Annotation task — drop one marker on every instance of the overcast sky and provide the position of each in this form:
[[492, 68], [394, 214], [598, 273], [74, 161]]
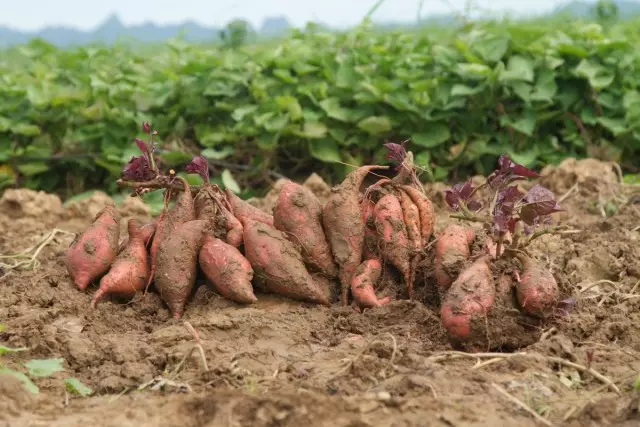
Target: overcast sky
[[87, 14]]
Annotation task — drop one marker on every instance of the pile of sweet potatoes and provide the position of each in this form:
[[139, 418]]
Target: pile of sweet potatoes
[[307, 251]]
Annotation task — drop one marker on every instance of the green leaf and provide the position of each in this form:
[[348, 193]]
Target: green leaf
[[241, 112], [5, 349], [599, 76], [32, 168], [464, 90], [525, 124], [346, 76], [75, 386], [290, 104], [26, 129], [519, 68], [331, 106], [491, 47], [26, 382], [313, 130], [326, 150], [436, 134], [375, 125], [229, 181], [212, 153], [615, 126], [44, 367]]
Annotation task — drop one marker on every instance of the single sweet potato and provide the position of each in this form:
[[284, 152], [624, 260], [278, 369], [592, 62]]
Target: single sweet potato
[[227, 269], [426, 211], [277, 265], [176, 269], [298, 213], [394, 240], [130, 271], [468, 300], [452, 252], [537, 289], [363, 284], [246, 211], [370, 248], [412, 221], [344, 227], [147, 230], [181, 212], [92, 252]]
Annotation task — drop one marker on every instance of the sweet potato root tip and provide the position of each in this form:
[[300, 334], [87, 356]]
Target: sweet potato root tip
[[176, 268], [363, 284], [469, 299], [246, 211], [452, 251], [92, 252], [277, 264], [537, 289], [227, 270], [426, 211], [298, 213], [344, 227], [393, 236], [130, 270]]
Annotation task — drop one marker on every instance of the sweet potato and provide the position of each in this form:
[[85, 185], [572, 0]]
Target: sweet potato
[[176, 268], [536, 290], [212, 206], [92, 252], [130, 271], [344, 227], [394, 240], [298, 213], [370, 247], [452, 251], [181, 212], [412, 221], [227, 269], [468, 300], [426, 211], [363, 284], [246, 211], [277, 265], [147, 231]]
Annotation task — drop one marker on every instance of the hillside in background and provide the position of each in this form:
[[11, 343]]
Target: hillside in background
[[112, 29]]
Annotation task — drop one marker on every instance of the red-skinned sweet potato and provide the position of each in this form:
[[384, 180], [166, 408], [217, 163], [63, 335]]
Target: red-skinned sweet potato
[[92, 252], [130, 271], [278, 267], [363, 284], [176, 267], [468, 301], [537, 289], [452, 251], [246, 211], [393, 237], [227, 269], [344, 227], [412, 221], [181, 212], [426, 211], [147, 230], [370, 248], [298, 213]]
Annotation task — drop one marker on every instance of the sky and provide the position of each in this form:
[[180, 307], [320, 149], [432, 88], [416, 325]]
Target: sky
[[87, 14]]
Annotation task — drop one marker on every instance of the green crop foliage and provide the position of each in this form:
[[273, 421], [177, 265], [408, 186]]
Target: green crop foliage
[[321, 101]]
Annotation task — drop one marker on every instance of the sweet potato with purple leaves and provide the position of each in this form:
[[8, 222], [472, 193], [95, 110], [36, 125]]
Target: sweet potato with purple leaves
[[278, 266], [245, 211], [363, 284], [176, 267], [298, 213], [92, 252], [536, 289], [344, 227], [394, 240], [452, 251], [227, 269], [130, 271]]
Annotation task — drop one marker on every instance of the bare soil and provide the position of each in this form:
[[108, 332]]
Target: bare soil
[[286, 363]]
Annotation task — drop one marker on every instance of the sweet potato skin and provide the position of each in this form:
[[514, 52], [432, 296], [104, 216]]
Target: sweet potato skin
[[130, 271], [370, 248], [344, 227], [227, 270], [245, 211], [278, 266], [148, 230], [537, 289], [298, 213], [412, 221], [425, 210], [469, 299], [363, 284], [176, 268], [452, 251], [92, 252], [392, 233]]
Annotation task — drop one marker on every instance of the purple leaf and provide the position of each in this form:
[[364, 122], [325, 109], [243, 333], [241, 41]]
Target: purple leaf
[[199, 165], [397, 153], [142, 146], [146, 127], [137, 169], [509, 171], [538, 202], [460, 192]]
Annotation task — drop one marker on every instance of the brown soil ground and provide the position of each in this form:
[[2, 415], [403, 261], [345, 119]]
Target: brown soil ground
[[284, 363]]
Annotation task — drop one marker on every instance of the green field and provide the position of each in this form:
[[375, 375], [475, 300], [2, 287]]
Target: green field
[[321, 101]]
